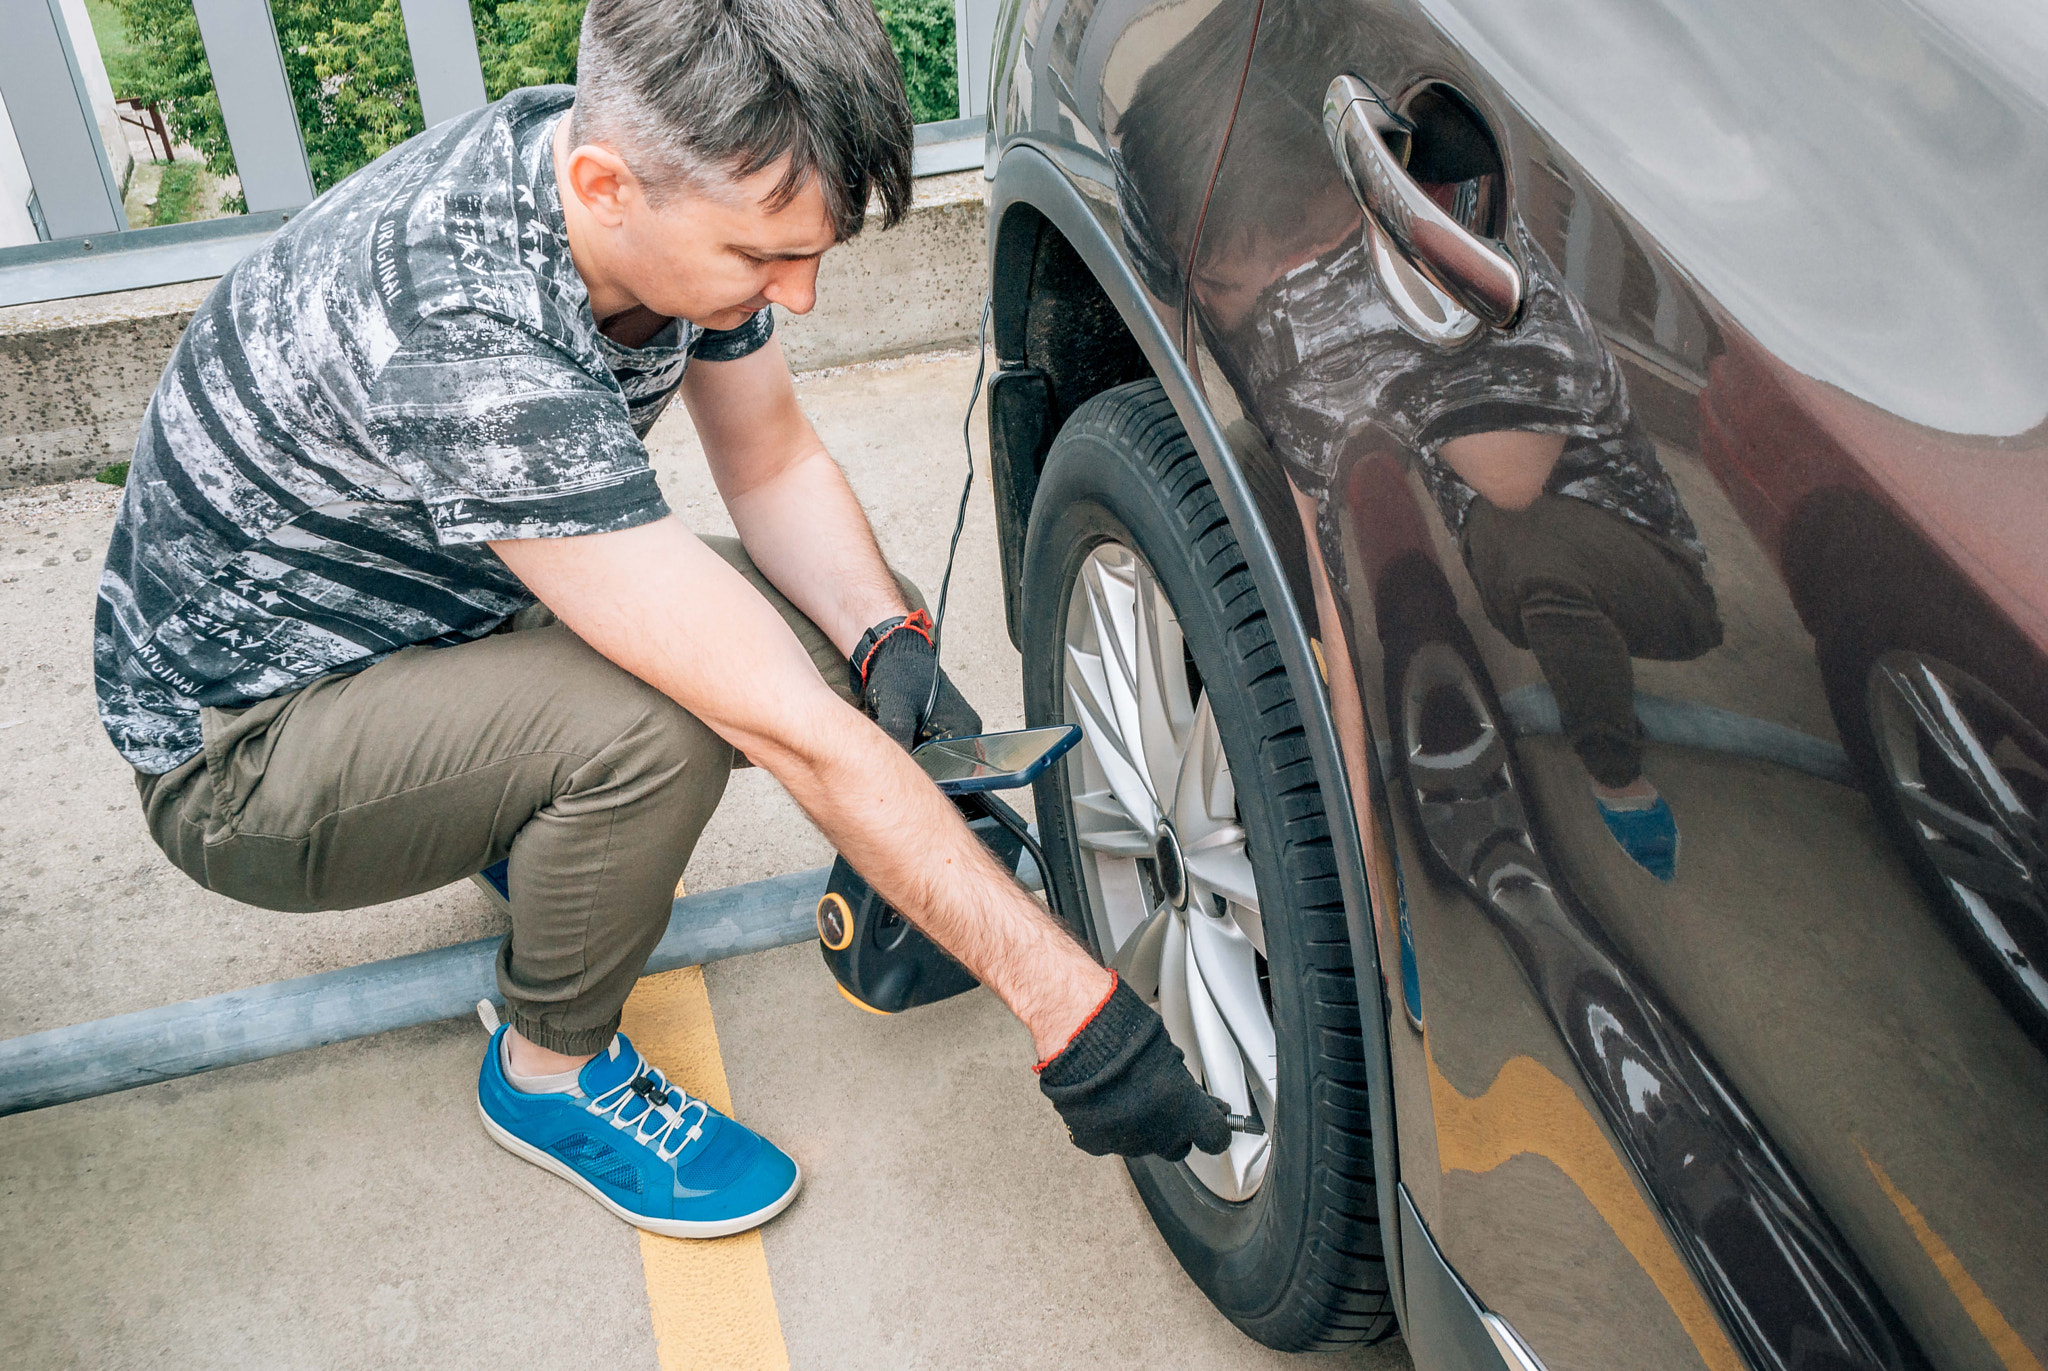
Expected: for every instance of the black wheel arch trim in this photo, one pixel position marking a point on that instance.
(1027, 178)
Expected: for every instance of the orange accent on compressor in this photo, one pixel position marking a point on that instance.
(832, 897)
(860, 1004)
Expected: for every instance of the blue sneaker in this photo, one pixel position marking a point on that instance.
(656, 1157)
(1650, 836)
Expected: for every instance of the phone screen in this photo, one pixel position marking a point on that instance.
(995, 761)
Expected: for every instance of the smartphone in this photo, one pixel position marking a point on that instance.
(995, 761)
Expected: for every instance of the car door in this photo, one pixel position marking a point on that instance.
(1708, 842)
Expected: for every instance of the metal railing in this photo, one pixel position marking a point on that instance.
(92, 250)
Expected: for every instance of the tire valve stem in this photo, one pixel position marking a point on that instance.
(1244, 1123)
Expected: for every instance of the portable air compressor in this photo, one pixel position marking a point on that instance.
(881, 962)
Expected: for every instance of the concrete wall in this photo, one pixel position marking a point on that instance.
(75, 375)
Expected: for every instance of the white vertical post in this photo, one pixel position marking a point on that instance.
(54, 124)
(444, 61)
(255, 102)
(974, 37)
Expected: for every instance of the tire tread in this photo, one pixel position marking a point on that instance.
(1337, 1295)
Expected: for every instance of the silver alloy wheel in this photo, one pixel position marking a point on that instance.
(1963, 765)
(1168, 879)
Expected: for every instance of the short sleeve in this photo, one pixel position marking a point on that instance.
(731, 344)
(504, 435)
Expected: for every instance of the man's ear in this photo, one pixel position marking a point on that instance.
(600, 178)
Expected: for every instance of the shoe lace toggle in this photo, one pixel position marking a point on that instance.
(663, 1109)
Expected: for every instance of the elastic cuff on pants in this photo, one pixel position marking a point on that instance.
(570, 1042)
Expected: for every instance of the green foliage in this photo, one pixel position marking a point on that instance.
(921, 31)
(346, 60)
(115, 474)
(112, 35)
(526, 42)
(177, 194)
(351, 73)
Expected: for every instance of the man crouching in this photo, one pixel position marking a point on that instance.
(394, 595)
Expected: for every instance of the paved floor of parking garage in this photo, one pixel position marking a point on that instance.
(342, 1208)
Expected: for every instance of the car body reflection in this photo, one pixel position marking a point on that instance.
(1687, 653)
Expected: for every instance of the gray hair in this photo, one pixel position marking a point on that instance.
(688, 91)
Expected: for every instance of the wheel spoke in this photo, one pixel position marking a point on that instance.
(2000, 937)
(1126, 780)
(1102, 824)
(1944, 724)
(1139, 960)
(1113, 606)
(1205, 820)
(1959, 831)
(1204, 799)
(1102, 685)
(1993, 880)
(1238, 1171)
(1174, 1005)
(1224, 965)
(1226, 870)
(1161, 684)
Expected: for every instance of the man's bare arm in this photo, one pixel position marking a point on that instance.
(658, 603)
(1507, 467)
(788, 498)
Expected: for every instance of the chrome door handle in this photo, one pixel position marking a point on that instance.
(1464, 280)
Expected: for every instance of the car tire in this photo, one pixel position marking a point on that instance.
(1294, 1256)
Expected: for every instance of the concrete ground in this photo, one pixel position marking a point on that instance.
(341, 1207)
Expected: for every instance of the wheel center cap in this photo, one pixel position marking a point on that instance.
(1173, 872)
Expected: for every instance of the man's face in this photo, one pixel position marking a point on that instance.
(714, 255)
(717, 257)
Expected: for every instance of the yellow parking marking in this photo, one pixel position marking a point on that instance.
(711, 1299)
(2003, 1337)
(1529, 1109)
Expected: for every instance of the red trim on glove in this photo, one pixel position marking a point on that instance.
(917, 621)
(1084, 1023)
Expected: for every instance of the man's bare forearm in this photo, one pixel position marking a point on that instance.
(788, 499)
(866, 794)
(809, 536)
(661, 605)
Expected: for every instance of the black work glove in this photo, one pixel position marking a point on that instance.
(1123, 1087)
(892, 670)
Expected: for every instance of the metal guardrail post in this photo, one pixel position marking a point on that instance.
(255, 102)
(54, 122)
(974, 37)
(76, 1063)
(444, 60)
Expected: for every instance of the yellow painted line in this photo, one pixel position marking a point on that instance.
(1528, 1109)
(2004, 1339)
(711, 1299)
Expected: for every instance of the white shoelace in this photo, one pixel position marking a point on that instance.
(656, 1093)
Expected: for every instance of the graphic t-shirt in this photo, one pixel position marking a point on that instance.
(407, 370)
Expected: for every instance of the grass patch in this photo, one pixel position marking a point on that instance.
(117, 50)
(114, 475)
(177, 195)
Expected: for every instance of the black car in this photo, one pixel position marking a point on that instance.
(1542, 513)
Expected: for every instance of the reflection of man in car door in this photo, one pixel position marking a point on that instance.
(1574, 534)
(1575, 537)
(1582, 553)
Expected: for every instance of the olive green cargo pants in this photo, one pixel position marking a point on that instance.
(436, 762)
(1586, 589)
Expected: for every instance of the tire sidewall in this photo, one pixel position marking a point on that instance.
(1095, 489)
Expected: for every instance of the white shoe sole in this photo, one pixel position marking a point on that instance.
(668, 1228)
